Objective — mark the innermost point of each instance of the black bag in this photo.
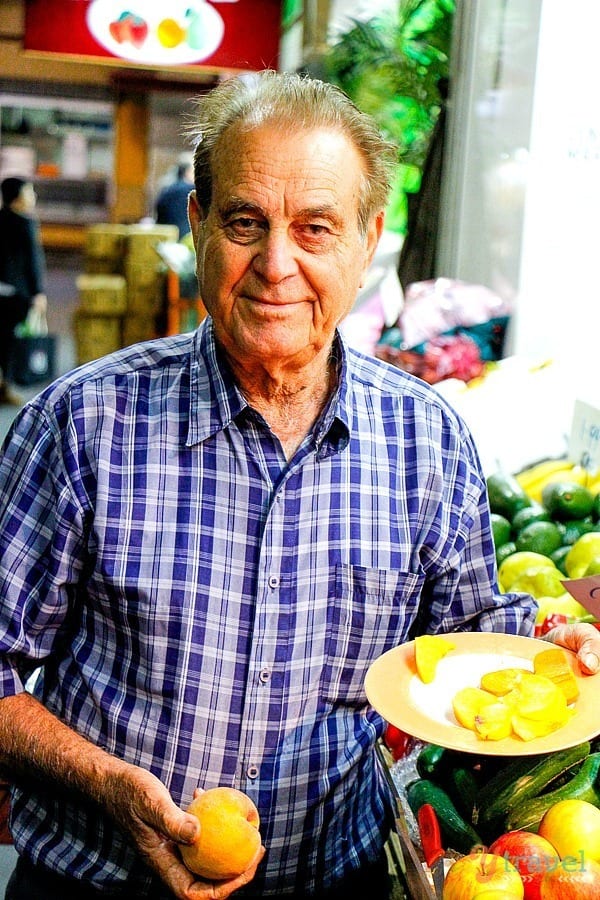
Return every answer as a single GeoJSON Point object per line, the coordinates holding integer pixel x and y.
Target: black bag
{"type": "Point", "coordinates": [33, 359]}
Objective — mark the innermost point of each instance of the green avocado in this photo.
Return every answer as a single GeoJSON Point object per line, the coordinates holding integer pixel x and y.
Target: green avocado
{"type": "Point", "coordinates": [505, 494]}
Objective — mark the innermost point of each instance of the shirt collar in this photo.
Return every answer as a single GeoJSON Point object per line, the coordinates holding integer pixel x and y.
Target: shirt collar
{"type": "Point", "coordinates": [215, 401]}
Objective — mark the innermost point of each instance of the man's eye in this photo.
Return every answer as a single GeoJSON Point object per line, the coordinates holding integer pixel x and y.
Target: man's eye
{"type": "Point", "coordinates": [243, 227]}
{"type": "Point", "coordinates": [316, 229]}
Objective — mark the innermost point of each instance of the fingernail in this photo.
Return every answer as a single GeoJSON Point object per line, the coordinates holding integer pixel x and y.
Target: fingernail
{"type": "Point", "coordinates": [591, 661]}
{"type": "Point", "coordinates": [188, 832]}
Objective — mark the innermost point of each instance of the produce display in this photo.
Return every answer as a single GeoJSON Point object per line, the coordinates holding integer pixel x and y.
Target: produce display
{"type": "Point", "coordinates": [503, 817]}
{"type": "Point", "coordinates": [523, 827]}
{"type": "Point", "coordinates": [546, 527]}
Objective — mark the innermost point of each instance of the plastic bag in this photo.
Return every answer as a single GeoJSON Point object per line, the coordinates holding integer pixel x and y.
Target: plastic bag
{"type": "Point", "coordinates": [34, 325]}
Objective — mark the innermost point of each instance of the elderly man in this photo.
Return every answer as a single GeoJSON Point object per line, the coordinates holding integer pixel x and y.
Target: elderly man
{"type": "Point", "coordinates": [207, 539]}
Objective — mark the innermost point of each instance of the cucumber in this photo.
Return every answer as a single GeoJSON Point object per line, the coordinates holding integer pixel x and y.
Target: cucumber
{"type": "Point", "coordinates": [526, 816]}
{"type": "Point", "coordinates": [525, 777]}
{"type": "Point", "coordinates": [457, 833]}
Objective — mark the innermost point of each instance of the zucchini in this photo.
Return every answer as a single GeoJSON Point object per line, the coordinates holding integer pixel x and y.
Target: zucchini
{"type": "Point", "coordinates": [582, 786]}
{"type": "Point", "coordinates": [463, 788]}
{"type": "Point", "coordinates": [457, 833]}
{"type": "Point", "coordinates": [525, 777]}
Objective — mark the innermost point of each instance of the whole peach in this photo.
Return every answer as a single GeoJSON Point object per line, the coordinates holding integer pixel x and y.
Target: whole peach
{"type": "Point", "coordinates": [229, 838]}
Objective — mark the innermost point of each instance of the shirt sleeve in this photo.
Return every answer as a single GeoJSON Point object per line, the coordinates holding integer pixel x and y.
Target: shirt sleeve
{"type": "Point", "coordinates": [462, 593]}
{"type": "Point", "coordinates": [41, 545]}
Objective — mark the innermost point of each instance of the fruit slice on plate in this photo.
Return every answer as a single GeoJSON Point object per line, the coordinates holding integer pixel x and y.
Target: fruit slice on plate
{"type": "Point", "coordinates": [469, 703]}
{"type": "Point", "coordinates": [501, 681]}
{"type": "Point", "coordinates": [553, 663]}
{"type": "Point", "coordinates": [429, 649]}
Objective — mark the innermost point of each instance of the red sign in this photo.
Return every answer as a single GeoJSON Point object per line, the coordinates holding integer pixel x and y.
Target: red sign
{"type": "Point", "coordinates": [214, 34]}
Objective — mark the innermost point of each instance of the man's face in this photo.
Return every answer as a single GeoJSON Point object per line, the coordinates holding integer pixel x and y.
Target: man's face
{"type": "Point", "coordinates": [280, 256]}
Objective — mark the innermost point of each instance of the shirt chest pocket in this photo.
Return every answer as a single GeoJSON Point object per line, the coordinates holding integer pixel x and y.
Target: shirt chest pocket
{"type": "Point", "coordinates": [369, 611]}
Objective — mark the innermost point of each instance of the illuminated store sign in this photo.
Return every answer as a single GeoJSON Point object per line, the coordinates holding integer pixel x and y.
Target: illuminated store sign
{"type": "Point", "coordinates": [221, 34]}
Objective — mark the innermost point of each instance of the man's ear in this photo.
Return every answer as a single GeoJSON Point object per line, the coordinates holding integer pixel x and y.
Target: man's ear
{"type": "Point", "coordinates": [374, 232]}
{"type": "Point", "coordinates": [194, 215]}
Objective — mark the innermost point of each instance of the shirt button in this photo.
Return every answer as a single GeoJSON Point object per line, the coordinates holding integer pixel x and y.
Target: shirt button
{"type": "Point", "coordinates": [264, 675]}
{"type": "Point", "coordinates": [252, 772]}
{"type": "Point", "coordinates": [273, 581]}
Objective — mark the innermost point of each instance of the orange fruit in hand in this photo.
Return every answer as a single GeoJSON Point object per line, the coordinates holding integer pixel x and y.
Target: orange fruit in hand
{"type": "Point", "coordinates": [229, 839]}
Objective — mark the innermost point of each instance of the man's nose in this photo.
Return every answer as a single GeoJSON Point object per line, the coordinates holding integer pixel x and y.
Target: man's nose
{"type": "Point", "coordinates": [276, 256]}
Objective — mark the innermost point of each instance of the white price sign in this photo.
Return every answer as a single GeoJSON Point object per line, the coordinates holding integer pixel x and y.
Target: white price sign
{"type": "Point", "coordinates": [584, 444]}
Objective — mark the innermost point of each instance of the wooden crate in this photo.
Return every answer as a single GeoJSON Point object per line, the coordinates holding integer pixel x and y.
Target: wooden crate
{"type": "Point", "coordinates": [102, 295]}
{"type": "Point", "coordinates": [95, 336]}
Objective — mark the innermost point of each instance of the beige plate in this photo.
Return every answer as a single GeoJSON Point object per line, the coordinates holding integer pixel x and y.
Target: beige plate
{"type": "Point", "coordinates": [425, 710]}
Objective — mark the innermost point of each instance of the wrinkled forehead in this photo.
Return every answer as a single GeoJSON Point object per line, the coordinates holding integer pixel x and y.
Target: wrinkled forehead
{"type": "Point", "coordinates": [294, 157]}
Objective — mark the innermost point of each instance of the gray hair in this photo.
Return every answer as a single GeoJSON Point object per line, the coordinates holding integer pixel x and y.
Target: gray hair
{"type": "Point", "coordinates": [300, 102]}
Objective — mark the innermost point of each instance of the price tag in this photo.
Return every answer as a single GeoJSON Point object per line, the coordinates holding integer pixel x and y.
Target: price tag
{"type": "Point", "coordinates": [584, 443]}
{"type": "Point", "coordinates": [586, 591]}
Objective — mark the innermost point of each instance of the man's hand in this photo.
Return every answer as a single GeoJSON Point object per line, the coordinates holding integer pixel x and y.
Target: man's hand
{"type": "Point", "coordinates": [582, 639]}
{"type": "Point", "coordinates": [141, 804]}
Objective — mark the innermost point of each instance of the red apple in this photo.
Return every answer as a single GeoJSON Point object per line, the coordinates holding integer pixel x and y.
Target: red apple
{"type": "Point", "coordinates": [572, 879]}
{"type": "Point", "coordinates": [531, 854]}
{"type": "Point", "coordinates": [474, 873]}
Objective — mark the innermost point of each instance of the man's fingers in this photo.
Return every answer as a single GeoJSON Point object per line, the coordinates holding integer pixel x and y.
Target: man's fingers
{"type": "Point", "coordinates": [583, 639]}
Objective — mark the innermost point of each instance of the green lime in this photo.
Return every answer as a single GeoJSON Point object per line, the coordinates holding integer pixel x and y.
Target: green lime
{"type": "Point", "coordinates": [596, 508]}
{"type": "Point", "coordinates": [501, 529]}
{"type": "Point", "coordinates": [539, 583]}
{"type": "Point", "coordinates": [577, 527]}
{"type": "Point", "coordinates": [593, 567]}
{"type": "Point", "coordinates": [566, 500]}
{"type": "Point", "coordinates": [558, 558]}
{"type": "Point", "coordinates": [505, 550]}
{"type": "Point", "coordinates": [539, 537]}
{"type": "Point", "coordinates": [582, 553]}
{"type": "Point", "coordinates": [518, 562]}
{"type": "Point", "coordinates": [533, 513]}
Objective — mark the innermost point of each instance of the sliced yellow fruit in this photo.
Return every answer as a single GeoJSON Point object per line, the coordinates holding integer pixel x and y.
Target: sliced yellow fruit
{"type": "Point", "coordinates": [553, 664]}
{"type": "Point", "coordinates": [494, 721]}
{"type": "Point", "coordinates": [502, 681]}
{"type": "Point", "coordinates": [529, 729]}
{"type": "Point", "coordinates": [429, 649]}
{"type": "Point", "coordinates": [537, 697]}
{"type": "Point", "coordinates": [468, 703]}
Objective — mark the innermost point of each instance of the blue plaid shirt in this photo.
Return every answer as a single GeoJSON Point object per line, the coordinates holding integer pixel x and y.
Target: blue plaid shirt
{"type": "Point", "coordinates": [207, 610]}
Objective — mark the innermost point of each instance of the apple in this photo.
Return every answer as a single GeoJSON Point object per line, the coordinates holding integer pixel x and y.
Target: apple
{"type": "Point", "coordinates": [573, 879]}
{"type": "Point", "coordinates": [229, 840]}
{"type": "Point", "coordinates": [477, 872]}
{"type": "Point", "coordinates": [495, 894]}
{"type": "Point", "coordinates": [531, 854]}
{"type": "Point", "coordinates": [573, 828]}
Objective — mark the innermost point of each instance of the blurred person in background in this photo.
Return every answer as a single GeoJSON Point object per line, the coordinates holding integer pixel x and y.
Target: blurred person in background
{"type": "Point", "coordinates": [207, 539]}
{"type": "Point", "coordinates": [172, 200]}
{"type": "Point", "coordinates": [22, 270]}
